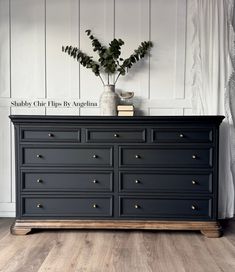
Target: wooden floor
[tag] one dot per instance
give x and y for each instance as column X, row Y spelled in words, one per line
column 120, row 251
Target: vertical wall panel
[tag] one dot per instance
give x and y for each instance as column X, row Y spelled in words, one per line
column 189, row 50
column 28, row 48
column 4, row 49
column 163, row 34
column 29, row 111
column 165, row 112
column 188, row 111
column 97, row 16
column 180, row 49
column 89, row 111
column 5, row 155
column 63, row 111
column 132, row 25
column 62, row 28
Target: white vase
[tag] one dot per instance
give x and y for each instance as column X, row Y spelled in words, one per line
column 108, row 101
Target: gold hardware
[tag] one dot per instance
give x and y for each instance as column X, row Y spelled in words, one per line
column 137, row 181
column 39, row 181
column 136, row 206
column 95, row 206
column 95, row 181
column 194, row 157
column 116, row 135
column 39, row 156
column 194, row 207
column 137, row 156
column 194, row 182
column 181, row 135
column 39, row 205
column 95, row 156
column 50, row 135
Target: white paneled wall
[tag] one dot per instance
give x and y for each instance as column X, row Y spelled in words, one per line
column 32, row 65
column 27, row 48
column 62, row 27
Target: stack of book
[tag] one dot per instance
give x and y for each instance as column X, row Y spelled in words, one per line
column 125, row 110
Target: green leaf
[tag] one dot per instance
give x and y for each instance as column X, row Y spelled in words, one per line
column 109, row 60
column 88, row 32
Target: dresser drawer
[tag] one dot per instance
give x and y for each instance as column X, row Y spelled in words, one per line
column 89, row 156
column 165, row 207
column 146, row 181
column 165, row 157
column 67, row 206
column 182, row 135
column 67, row 181
column 47, row 134
column 117, row 135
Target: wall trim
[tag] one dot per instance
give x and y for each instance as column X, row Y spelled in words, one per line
column 7, row 210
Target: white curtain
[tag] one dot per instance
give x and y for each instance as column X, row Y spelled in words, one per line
column 213, row 83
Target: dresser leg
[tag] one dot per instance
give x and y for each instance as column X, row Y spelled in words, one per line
column 212, row 233
column 16, row 230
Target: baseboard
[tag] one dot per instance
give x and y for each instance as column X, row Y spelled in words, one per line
column 7, row 214
column 7, row 209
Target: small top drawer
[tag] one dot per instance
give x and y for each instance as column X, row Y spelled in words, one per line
column 182, row 135
column 47, row 134
column 96, row 135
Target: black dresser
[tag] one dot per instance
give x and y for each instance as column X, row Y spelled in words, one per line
column 158, row 172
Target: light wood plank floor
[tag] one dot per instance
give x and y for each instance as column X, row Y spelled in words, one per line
column 119, row 251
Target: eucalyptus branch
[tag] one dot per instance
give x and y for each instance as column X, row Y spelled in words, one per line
column 138, row 54
column 101, row 80
column 109, row 57
column 117, row 78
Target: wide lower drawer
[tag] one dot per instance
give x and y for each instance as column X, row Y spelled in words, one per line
column 166, row 157
column 48, row 134
column 117, row 135
column 167, row 181
column 165, row 207
column 84, row 156
column 67, row 206
column 67, row 181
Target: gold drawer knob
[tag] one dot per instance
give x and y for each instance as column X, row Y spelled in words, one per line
column 116, row 135
column 137, row 206
column 39, row 205
column 95, row 206
column 39, row 181
column 194, row 157
column 39, row 156
column 95, row 156
column 181, row 135
column 194, row 208
column 137, row 181
column 137, row 156
column 50, row 135
column 194, row 182
column 95, row 181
